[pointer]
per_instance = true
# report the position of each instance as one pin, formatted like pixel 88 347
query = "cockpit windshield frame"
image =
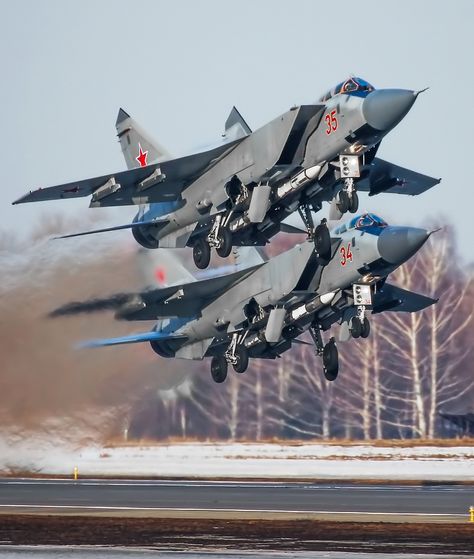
pixel 351 86
pixel 361 222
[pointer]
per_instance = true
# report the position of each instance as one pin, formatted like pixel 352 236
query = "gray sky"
pixel 179 66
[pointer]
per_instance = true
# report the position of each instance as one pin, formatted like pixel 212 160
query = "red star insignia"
pixel 160 275
pixel 142 156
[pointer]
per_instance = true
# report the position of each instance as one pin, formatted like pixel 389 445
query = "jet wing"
pixel 388 177
pixel 393 298
pixel 184 300
pixel 159 182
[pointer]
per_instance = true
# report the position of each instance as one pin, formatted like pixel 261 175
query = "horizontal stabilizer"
pixel 393 298
pixel 154 222
pixel 179 300
pixel 387 177
pixel 287 228
pixel 131 339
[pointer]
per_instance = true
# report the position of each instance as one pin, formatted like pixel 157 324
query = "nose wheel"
pixel 359 327
pixel 347 199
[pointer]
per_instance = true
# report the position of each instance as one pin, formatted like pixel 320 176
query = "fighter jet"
pixel 260 311
pixel 240 191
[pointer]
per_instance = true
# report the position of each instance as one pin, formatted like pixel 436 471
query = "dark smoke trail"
pixel 93 305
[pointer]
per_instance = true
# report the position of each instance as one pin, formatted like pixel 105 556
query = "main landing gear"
pixel 320 234
pixel 236 354
pixel 328 352
pixel 219 238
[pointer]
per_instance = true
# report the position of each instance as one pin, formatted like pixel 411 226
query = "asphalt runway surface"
pixel 186 498
pixel 100 553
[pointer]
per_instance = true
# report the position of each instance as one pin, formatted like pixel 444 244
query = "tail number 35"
pixel 331 121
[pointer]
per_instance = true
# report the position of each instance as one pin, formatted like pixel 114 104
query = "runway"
pixel 234 499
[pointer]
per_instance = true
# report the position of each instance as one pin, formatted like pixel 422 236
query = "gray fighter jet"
pixel 261 310
pixel 240 191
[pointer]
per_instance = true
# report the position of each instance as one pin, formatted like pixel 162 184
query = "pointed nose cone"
pixel 397 244
pixel 383 109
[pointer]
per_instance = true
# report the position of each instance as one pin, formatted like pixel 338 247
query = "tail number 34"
pixel 346 254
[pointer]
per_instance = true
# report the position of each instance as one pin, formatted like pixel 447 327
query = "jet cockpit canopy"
pixel 362 222
pixel 352 86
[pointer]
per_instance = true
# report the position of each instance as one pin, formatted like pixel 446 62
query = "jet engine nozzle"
pixel 397 244
pixel 383 109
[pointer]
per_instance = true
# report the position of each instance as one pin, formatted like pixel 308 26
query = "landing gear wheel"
pixel 355 327
pixel 322 241
pixel 343 201
pixel 365 329
pixel 242 356
pixel 201 254
pixel 225 238
pixel 330 360
pixel 354 203
pixel 219 368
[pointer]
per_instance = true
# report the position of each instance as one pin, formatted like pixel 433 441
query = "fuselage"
pixel 296 154
pixel 365 250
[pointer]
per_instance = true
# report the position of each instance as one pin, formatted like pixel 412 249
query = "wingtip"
pixel 122 115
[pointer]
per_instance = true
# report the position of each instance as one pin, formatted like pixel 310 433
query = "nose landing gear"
pixel 347 199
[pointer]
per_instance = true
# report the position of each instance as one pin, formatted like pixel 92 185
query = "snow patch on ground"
pixel 208 460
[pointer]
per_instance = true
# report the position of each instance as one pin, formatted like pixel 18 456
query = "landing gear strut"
pixel 220 236
pixel 237 354
pixel 328 352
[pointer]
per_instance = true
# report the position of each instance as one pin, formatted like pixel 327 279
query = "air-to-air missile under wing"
pixel 260 311
pixel 239 192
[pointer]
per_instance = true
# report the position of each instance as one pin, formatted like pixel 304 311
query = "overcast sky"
pixel 179 66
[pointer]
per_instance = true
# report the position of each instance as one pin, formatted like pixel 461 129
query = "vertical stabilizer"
pixel 235 126
pixel 162 267
pixel 138 147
